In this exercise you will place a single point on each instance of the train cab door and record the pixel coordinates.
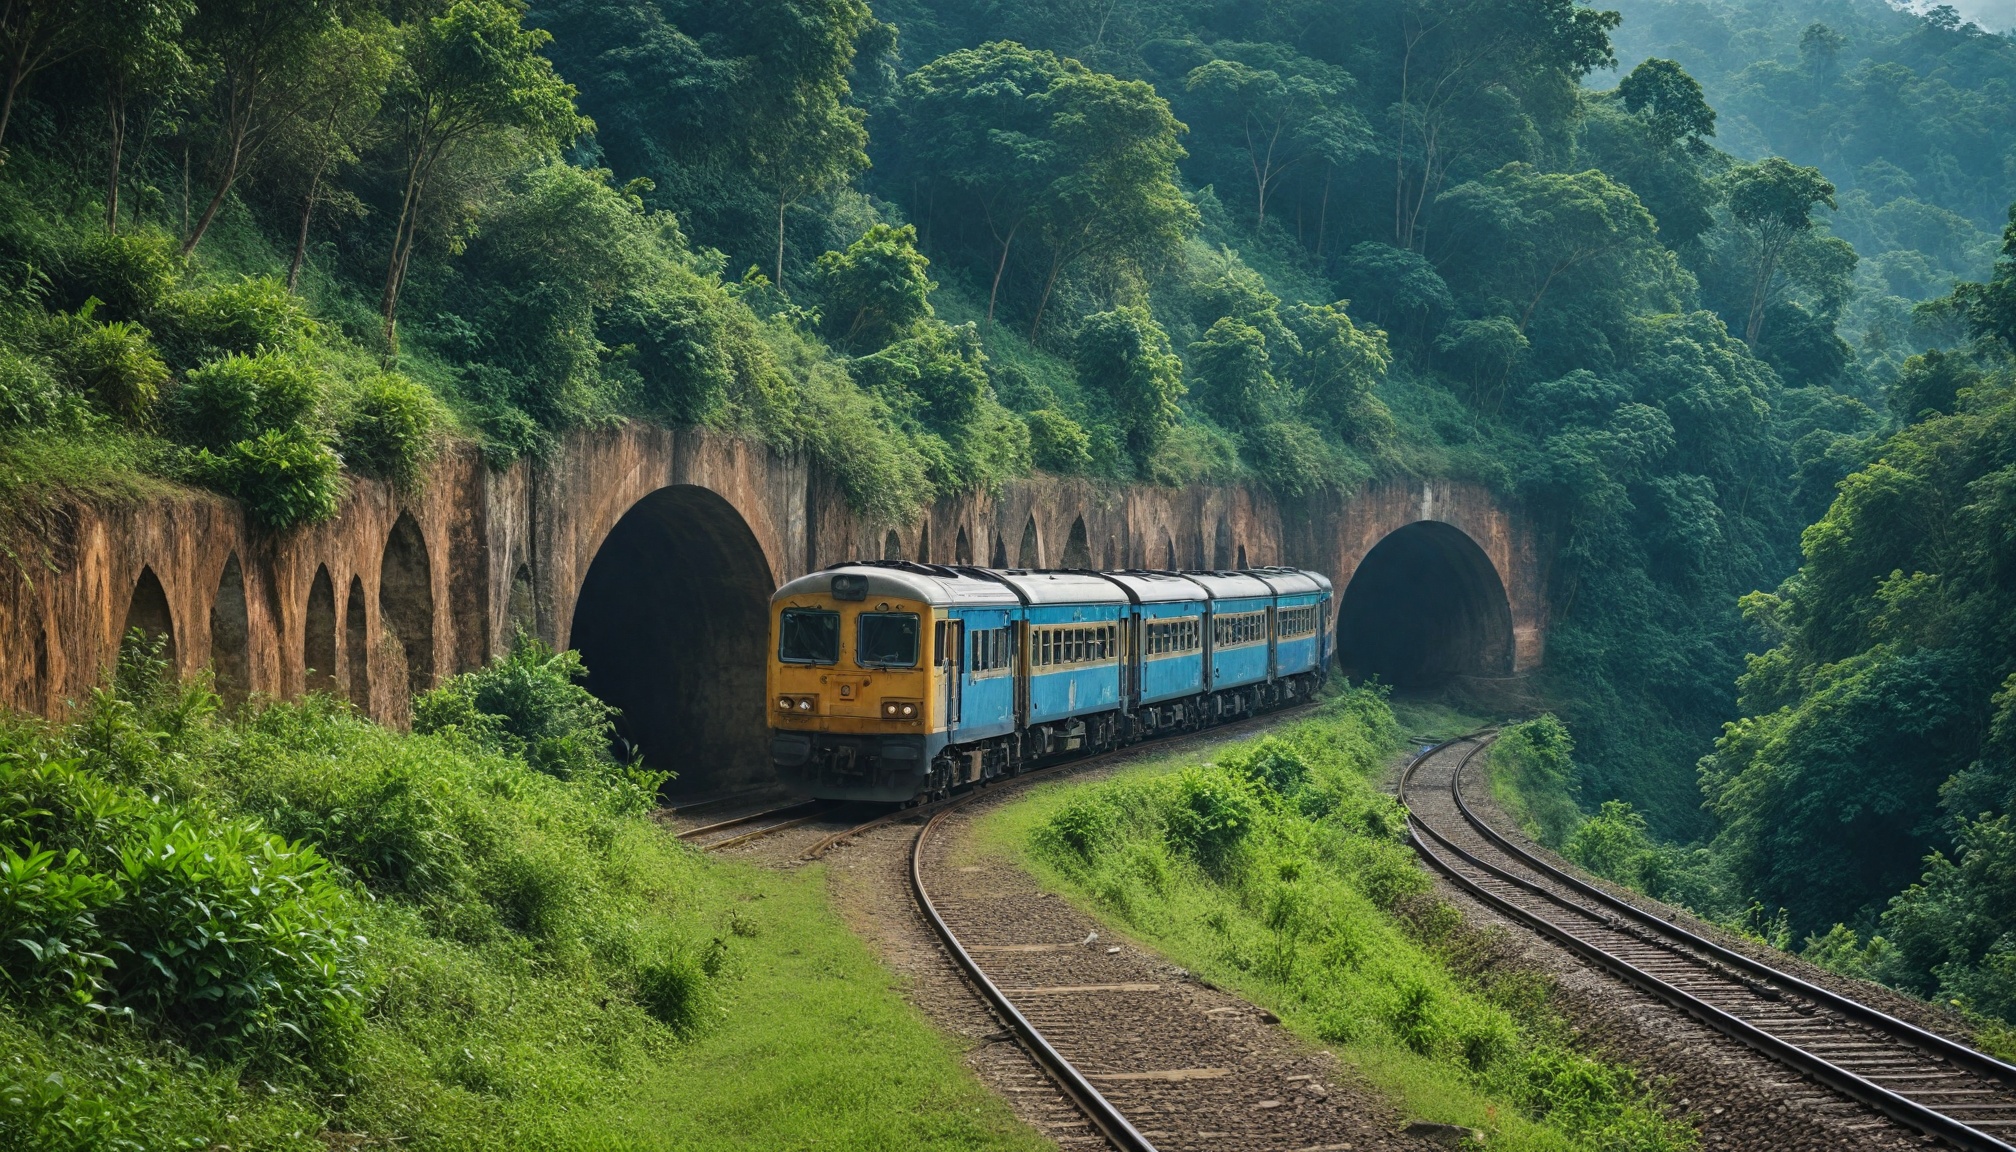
(950, 656)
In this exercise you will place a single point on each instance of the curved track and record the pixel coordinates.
(1162, 1092)
(1918, 1078)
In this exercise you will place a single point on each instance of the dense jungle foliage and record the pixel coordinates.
(265, 247)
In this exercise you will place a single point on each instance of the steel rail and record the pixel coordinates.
(1100, 1111)
(812, 807)
(1979, 1063)
(1890, 1103)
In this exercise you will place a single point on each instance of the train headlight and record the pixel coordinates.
(798, 704)
(901, 709)
(805, 704)
(784, 704)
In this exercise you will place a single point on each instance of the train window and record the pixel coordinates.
(887, 640)
(808, 637)
(991, 649)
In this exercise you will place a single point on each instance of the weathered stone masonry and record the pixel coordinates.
(402, 589)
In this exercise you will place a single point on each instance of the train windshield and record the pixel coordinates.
(887, 640)
(808, 637)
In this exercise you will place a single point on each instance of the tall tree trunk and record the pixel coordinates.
(1000, 266)
(782, 204)
(185, 186)
(116, 111)
(1323, 213)
(402, 246)
(17, 71)
(1049, 283)
(301, 237)
(230, 178)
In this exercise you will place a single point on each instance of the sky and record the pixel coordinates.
(1994, 15)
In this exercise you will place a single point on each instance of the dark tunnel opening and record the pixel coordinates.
(1425, 606)
(672, 624)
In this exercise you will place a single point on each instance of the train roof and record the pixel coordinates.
(947, 587)
(935, 584)
(1061, 587)
(1290, 581)
(1230, 585)
(1145, 587)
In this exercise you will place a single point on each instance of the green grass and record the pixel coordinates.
(816, 1050)
(446, 950)
(1275, 868)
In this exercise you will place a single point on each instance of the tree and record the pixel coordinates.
(36, 35)
(1990, 308)
(338, 112)
(1234, 374)
(471, 73)
(261, 54)
(136, 49)
(1124, 357)
(803, 136)
(1277, 118)
(1116, 192)
(974, 119)
(1523, 233)
(1772, 202)
(1336, 368)
(876, 292)
(1666, 97)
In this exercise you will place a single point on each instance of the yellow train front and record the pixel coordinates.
(852, 687)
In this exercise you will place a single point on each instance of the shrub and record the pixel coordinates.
(113, 364)
(129, 273)
(240, 397)
(529, 703)
(253, 315)
(1058, 443)
(1533, 776)
(1290, 457)
(284, 478)
(676, 990)
(1214, 811)
(391, 429)
(31, 398)
(1272, 764)
(222, 934)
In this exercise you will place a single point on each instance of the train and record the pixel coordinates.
(898, 681)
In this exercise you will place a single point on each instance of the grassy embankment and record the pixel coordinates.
(294, 929)
(1278, 869)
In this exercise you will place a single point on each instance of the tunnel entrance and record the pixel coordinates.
(1424, 606)
(673, 625)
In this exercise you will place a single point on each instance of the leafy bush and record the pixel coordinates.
(1532, 770)
(225, 936)
(391, 429)
(1057, 442)
(676, 990)
(114, 364)
(242, 397)
(255, 314)
(31, 398)
(529, 704)
(130, 273)
(876, 292)
(285, 479)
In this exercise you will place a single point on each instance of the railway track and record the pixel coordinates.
(1935, 1085)
(1056, 995)
(756, 825)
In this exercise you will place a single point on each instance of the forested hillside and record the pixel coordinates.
(1666, 277)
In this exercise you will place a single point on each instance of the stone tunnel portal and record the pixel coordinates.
(672, 624)
(1425, 605)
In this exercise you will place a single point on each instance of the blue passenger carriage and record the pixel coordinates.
(1301, 601)
(893, 681)
(1071, 623)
